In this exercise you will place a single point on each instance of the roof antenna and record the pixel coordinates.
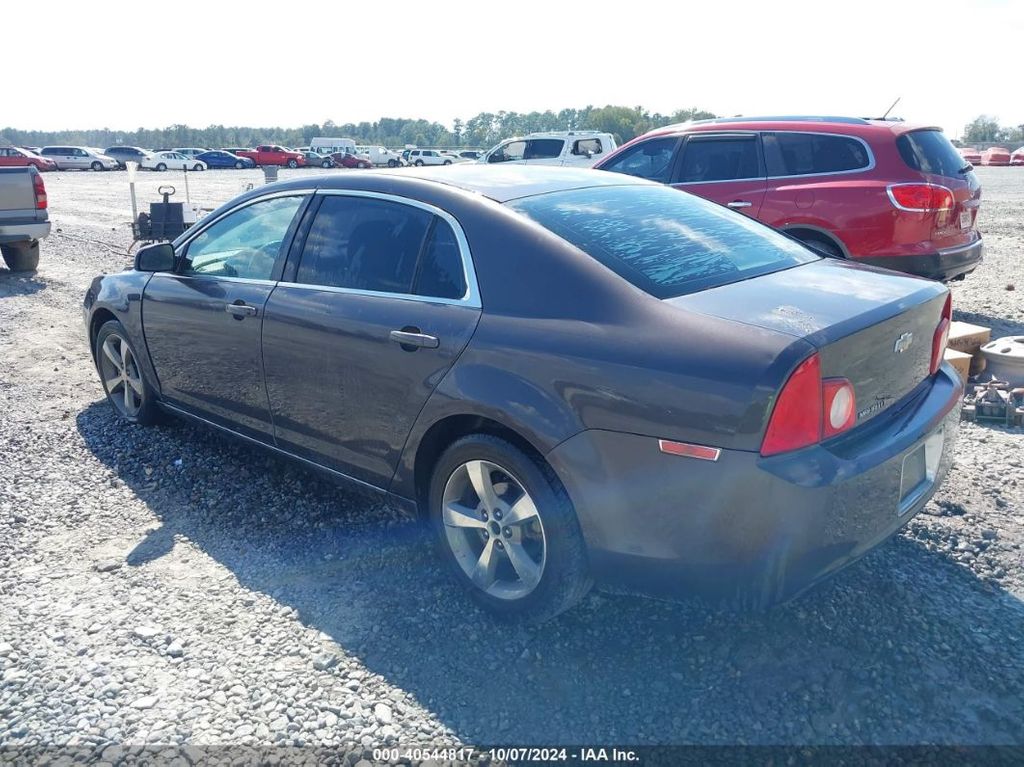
(887, 111)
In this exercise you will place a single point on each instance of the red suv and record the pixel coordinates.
(875, 191)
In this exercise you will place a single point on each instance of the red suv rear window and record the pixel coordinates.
(929, 151)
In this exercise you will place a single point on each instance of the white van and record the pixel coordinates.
(81, 157)
(380, 156)
(332, 145)
(574, 148)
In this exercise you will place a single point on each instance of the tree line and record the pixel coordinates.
(483, 130)
(985, 129)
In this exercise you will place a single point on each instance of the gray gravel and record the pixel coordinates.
(167, 586)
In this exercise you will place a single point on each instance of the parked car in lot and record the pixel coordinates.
(273, 154)
(1017, 157)
(973, 156)
(219, 158)
(579, 149)
(427, 157)
(880, 192)
(192, 151)
(654, 388)
(996, 155)
(162, 161)
(468, 154)
(24, 218)
(78, 158)
(18, 157)
(315, 159)
(124, 154)
(380, 156)
(348, 160)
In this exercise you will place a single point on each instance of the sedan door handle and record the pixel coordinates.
(240, 311)
(412, 340)
(740, 204)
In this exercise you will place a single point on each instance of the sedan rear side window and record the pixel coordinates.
(929, 151)
(803, 154)
(664, 242)
(440, 273)
(363, 244)
(649, 159)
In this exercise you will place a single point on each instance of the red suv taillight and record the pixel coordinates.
(941, 335)
(40, 189)
(809, 409)
(920, 198)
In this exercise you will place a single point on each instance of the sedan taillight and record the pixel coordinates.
(809, 409)
(941, 335)
(920, 198)
(40, 191)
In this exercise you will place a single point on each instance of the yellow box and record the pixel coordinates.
(961, 361)
(965, 337)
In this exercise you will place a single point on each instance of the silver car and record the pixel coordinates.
(80, 157)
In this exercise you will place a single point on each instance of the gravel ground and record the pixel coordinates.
(167, 586)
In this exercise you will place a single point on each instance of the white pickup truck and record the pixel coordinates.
(24, 220)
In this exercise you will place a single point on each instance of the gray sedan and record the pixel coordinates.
(574, 375)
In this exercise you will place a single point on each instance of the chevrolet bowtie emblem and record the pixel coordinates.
(903, 343)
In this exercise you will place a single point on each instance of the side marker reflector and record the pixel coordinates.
(686, 450)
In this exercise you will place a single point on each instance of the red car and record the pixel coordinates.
(346, 160)
(11, 156)
(272, 154)
(1017, 158)
(973, 156)
(879, 192)
(995, 155)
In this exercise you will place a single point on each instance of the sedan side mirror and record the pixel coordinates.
(158, 257)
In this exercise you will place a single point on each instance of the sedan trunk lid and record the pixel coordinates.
(870, 326)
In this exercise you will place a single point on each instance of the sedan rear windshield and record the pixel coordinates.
(929, 151)
(666, 242)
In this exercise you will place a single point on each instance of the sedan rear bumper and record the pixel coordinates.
(942, 265)
(756, 530)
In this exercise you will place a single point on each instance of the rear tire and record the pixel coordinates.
(22, 257)
(391, 163)
(127, 390)
(161, 167)
(546, 538)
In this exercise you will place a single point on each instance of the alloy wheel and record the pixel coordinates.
(493, 530)
(121, 377)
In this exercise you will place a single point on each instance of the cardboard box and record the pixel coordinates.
(965, 337)
(961, 361)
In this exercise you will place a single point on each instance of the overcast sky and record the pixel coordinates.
(73, 64)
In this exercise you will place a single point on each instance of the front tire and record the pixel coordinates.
(293, 164)
(391, 164)
(447, 162)
(240, 165)
(97, 165)
(197, 167)
(132, 398)
(21, 257)
(507, 529)
(325, 164)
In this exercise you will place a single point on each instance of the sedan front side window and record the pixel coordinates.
(246, 243)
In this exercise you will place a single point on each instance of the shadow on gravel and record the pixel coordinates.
(1000, 325)
(19, 283)
(905, 647)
